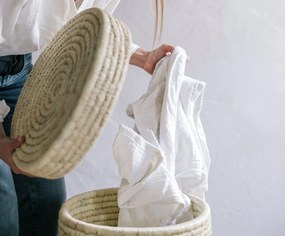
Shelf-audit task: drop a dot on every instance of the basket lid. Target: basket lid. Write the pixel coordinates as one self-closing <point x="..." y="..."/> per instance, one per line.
<point x="70" y="93"/>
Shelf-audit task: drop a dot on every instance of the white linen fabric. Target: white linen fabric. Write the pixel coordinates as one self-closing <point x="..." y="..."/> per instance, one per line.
<point x="28" y="25"/>
<point x="166" y="156"/>
<point x="149" y="195"/>
<point x="4" y="110"/>
<point x="107" y="5"/>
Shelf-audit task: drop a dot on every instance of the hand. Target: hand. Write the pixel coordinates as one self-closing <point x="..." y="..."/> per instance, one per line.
<point x="7" y="147"/>
<point x="147" y="59"/>
<point x="154" y="56"/>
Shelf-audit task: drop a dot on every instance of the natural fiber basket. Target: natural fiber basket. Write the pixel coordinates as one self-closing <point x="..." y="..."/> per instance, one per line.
<point x="96" y="213"/>
<point x="70" y="93"/>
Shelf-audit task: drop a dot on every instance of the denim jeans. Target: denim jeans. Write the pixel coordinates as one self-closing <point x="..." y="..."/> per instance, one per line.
<point x="28" y="206"/>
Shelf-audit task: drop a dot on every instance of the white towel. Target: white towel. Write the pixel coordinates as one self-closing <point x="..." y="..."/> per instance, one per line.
<point x="166" y="156"/>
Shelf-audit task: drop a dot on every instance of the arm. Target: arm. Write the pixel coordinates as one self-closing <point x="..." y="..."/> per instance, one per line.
<point x="7" y="147"/>
<point x="147" y="59"/>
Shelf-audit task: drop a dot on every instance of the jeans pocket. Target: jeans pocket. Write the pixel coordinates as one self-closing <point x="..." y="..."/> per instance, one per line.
<point x="21" y="73"/>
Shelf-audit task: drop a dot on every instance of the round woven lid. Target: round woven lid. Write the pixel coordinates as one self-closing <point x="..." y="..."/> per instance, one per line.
<point x="70" y="93"/>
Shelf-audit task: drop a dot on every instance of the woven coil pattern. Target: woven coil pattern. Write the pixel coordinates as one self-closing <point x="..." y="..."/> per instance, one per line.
<point x="96" y="213"/>
<point x="70" y="93"/>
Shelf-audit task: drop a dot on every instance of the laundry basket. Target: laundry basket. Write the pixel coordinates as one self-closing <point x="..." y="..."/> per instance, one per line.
<point x="96" y="213"/>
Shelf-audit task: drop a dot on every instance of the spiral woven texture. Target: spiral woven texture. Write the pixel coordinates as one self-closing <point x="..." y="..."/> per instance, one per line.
<point x="96" y="213"/>
<point x="70" y="93"/>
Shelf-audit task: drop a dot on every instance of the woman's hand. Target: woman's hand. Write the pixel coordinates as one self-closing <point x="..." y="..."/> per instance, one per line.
<point x="7" y="147"/>
<point x="147" y="59"/>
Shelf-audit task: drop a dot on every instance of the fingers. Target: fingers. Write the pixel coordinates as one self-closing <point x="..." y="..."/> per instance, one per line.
<point x="167" y="48"/>
<point x="14" y="143"/>
<point x="7" y="147"/>
<point x="14" y="168"/>
<point x="156" y="55"/>
<point x="17" y="171"/>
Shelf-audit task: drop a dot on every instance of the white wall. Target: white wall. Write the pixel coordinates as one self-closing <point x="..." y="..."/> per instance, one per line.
<point x="238" y="48"/>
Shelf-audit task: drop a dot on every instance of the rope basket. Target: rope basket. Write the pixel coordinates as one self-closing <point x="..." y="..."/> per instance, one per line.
<point x="96" y="213"/>
<point x="70" y="93"/>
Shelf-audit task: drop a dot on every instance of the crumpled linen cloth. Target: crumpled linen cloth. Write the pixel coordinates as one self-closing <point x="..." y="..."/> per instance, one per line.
<point x="165" y="157"/>
<point x="4" y="110"/>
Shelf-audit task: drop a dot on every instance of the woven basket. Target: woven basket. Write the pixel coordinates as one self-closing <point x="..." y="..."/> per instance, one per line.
<point x="70" y="93"/>
<point x="96" y="213"/>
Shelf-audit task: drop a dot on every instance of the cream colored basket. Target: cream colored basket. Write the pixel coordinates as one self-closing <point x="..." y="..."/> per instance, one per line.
<point x="96" y="213"/>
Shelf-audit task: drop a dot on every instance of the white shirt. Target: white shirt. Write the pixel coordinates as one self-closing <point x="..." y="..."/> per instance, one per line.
<point x="27" y="25"/>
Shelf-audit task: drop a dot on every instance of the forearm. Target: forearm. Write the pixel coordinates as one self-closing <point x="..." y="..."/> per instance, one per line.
<point x="139" y="58"/>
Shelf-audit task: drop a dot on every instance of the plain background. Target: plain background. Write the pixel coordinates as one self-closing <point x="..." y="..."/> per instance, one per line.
<point x="238" y="49"/>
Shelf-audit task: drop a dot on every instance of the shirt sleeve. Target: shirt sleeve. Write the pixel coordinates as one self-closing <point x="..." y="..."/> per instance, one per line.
<point x="107" y="5"/>
<point x="134" y="47"/>
<point x="27" y="25"/>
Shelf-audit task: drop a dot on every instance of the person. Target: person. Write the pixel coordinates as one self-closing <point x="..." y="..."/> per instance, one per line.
<point x="30" y="205"/>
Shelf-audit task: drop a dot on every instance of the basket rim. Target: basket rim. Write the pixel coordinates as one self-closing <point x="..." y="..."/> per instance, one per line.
<point x="203" y="217"/>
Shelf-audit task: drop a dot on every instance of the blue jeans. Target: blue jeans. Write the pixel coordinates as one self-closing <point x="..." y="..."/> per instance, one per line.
<point x="28" y="206"/>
